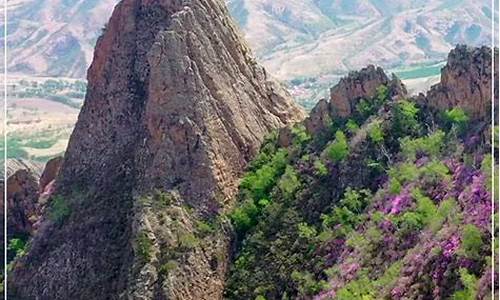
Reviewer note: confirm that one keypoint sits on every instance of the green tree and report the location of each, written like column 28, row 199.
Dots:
column 339, row 149
column 472, row 242
column 405, row 119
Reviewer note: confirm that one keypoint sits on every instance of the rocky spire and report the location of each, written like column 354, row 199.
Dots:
column 465, row 82
column 176, row 107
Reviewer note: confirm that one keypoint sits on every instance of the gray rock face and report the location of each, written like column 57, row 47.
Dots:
column 176, row 108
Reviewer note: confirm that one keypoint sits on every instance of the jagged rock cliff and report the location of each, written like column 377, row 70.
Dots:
column 176, row 108
column 466, row 82
column 349, row 92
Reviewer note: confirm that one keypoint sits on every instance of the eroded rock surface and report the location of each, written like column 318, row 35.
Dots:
column 465, row 82
column 345, row 96
column 176, row 108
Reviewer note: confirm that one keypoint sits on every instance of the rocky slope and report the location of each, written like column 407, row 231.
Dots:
column 176, row 107
column 377, row 196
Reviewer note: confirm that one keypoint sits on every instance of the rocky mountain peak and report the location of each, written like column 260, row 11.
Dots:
column 465, row 82
column 176, row 108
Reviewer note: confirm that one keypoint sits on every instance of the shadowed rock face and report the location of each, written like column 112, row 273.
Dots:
column 465, row 82
column 49, row 174
column 22, row 203
column 177, row 106
column 27, row 198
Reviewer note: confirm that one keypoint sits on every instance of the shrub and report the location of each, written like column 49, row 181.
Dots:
column 204, row 229
column 162, row 199
column 257, row 185
column 348, row 211
column 430, row 145
column 260, row 181
column 188, row 241
column 365, row 288
column 301, row 137
column 18, row 246
column 447, row 210
column 486, row 168
column 425, row 207
column 360, row 289
column 470, row 286
column 339, row 149
column 245, row 216
column 472, row 242
column 382, row 94
column 289, row 182
column 357, row 241
column 435, row 171
column 409, row 222
column 390, row 276
column 404, row 173
column 168, row 267
column 320, row 168
column 376, row 134
column 456, row 118
column 144, row 246
column 352, row 126
column 394, row 186
column 305, row 231
column 374, row 235
column 405, row 119
column 307, row 285
column 356, row 201
column 364, row 108
column 59, row 209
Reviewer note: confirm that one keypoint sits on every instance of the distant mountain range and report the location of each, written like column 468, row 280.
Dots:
column 295, row 38
column 292, row 38
column 54, row 38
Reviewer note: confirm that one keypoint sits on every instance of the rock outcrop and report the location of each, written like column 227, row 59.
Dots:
column 347, row 94
column 27, row 195
column 22, row 203
column 176, row 107
column 49, row 174
column 465, row 82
